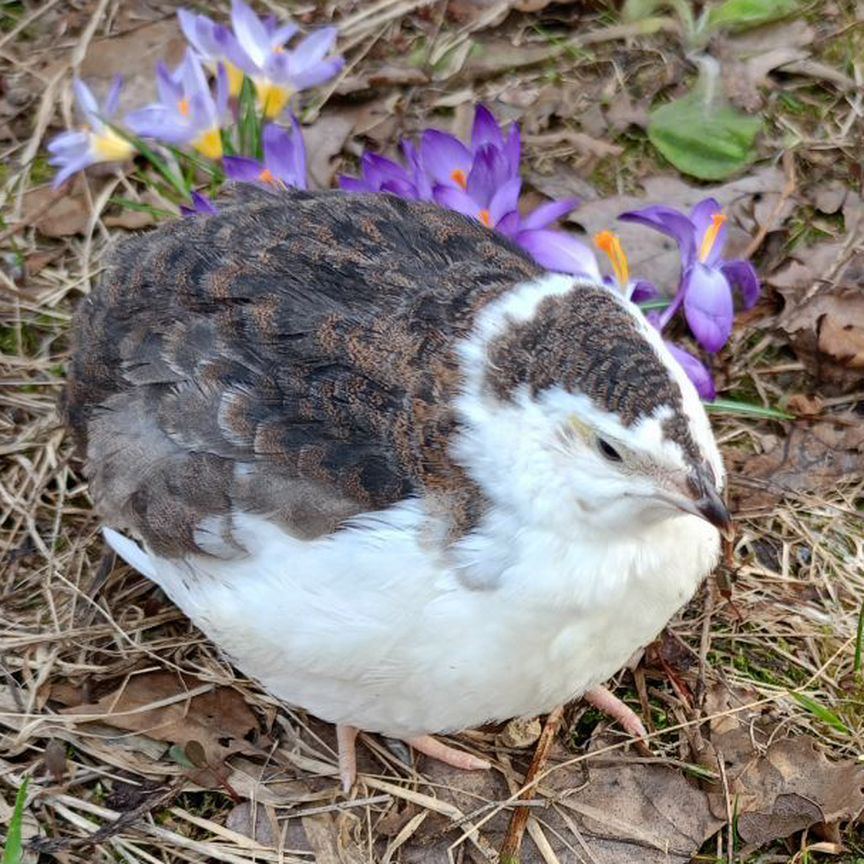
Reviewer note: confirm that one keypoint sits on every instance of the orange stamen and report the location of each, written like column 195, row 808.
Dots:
column 266, row 176
column 183, row 107
column 485, row 217
column 610, row 243
column 710, row 238
column 459, row 178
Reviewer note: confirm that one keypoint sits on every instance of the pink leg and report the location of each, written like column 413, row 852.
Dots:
column 448, row 755
column 345, row 738
column 611, row 705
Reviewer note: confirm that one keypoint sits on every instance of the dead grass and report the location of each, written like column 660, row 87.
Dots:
column 786, row 631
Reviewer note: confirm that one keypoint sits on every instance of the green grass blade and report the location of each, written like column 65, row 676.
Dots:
column 139, row 207
column 820, row 712
column 13, row 851
column 745, row 409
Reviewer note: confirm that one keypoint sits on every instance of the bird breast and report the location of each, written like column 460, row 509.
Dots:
column 374, row 628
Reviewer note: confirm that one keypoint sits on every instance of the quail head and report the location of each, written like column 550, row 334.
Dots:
column 400, row 474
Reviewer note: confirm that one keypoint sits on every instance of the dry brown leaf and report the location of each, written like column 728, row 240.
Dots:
column 747, row 58
column 251, row 820
column 826, row 326
column 811, row 458
column 324, row 140
column 781, row 786
column 53, row 215
column 623, row 813
column 219, row 720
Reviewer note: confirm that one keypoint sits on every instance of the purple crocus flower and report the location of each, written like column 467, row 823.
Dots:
column 258, row 49
column 74, row 150
column 214, row 43
column 284, row 159
column 706, row 280
column 448, row 162
column 379, row 174
column 201, row 206
column 491, row 190
column 186, row 112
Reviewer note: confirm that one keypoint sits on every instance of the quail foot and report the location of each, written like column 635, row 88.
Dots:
column 396, row 471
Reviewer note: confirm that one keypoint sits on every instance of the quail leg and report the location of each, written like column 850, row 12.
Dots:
column 612, row 706
column 345, row 739
column 446, row 754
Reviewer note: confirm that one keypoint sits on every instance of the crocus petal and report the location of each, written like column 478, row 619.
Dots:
column 513, row 149
column 86, row 101
column 318, row 74
column 549, row 212
column 489, row 173
column 742, row 275
column 170, row 91
column 284, row 154
column 282, row 34
column 701, row 214
column 313, row 48
column 158, row 121
column 422, row 183
column 250, row 32
column 112, row 100
column 695, row 371
column 355, row 184
column 641, row 291
column 508, row 224
column 485, row 130
column 242, row 169
column 670, row 222
column 456, row 199
column 68, row 142
column 73, row 166
column 559, row 252
column 505, row 200
column 708, row 306
column 443, row 155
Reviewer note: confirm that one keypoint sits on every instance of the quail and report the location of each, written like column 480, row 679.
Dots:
column 397, row 472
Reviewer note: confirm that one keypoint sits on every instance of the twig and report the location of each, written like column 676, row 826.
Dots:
column 519, row 820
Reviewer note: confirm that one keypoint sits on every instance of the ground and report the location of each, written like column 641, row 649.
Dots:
column 143, row 744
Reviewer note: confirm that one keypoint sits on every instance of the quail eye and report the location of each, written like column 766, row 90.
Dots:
column 608, row 451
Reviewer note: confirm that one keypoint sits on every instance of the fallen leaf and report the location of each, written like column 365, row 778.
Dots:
column 747, row 59
column 780, row 787
column 825, row 326
column 324, row 140
column 54, row 759
column 219, row 720
column 618, row 811
column 812, row 458
column 251, row 820
column 56, row 215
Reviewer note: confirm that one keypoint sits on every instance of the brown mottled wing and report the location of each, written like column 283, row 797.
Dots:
column 291, row 355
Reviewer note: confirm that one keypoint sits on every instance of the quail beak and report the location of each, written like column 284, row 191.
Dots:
column 707, row 503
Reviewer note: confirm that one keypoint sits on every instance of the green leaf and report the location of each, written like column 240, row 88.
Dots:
column 707, row 141
column 743, row 14
column 13, row 852
column 745, row 409
column 249, row 125
column 820, row 712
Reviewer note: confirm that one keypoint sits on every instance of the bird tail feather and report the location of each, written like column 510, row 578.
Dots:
column 130, row 552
